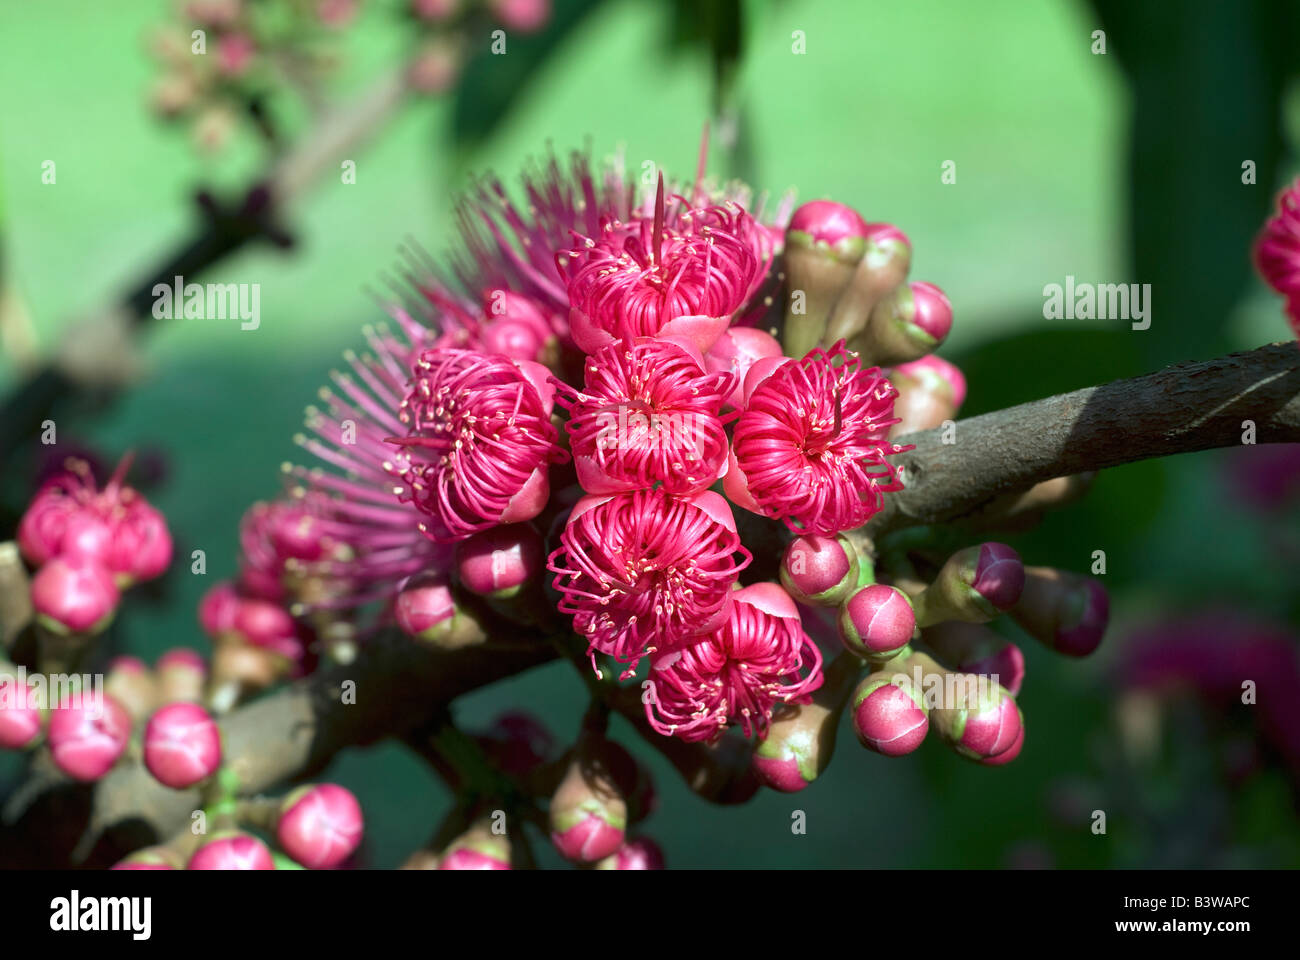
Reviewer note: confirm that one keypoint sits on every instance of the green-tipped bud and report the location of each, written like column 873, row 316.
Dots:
column 909, row 323
column 823, row 245
column 821, row 571
column 974, row 585
column 883, row 268
column 1065, row 611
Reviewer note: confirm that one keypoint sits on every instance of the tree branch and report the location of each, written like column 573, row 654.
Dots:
column 400, row 684
column 1181, row 409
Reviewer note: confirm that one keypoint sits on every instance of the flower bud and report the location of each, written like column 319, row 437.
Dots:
column 85, row 740
column 801, row 738
column 320, row 826
column 75, row 596
column 149, row 858
column 738, row 349
column 888, row 714
column 435, row 11
column 217, row 610
column 526, row 16
column 434, row 70
column 930, row 391
column 641, row 853
column 975, row 648
column 233, row 850
column 820, row 571
column 182, row 674
column 978, row 719
column 909, row 323
column 876, row 622
column 975, row 585
column 20, row 714
column 182, row 745
column 132, row 684
column 498, row 562
column 883, row 268
column 517, row 742
column 1010, row 753
column 589, row 809
column 426, row 609
column 478, row 848
column 1064, row 610
column 823, row 245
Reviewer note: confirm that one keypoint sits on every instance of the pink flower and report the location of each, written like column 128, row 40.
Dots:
column 234, row 53
column 278, row 535
column 116, row 527
column 320, row 826
column 642, row 572
column 1277, row 252
column 479, row 444
column 526, row 16
column 810, row 447
column 375, row 541
column 649, row 278
column 85, row 740
column 760, row 657
column 232, row 851
column 647, row 413
column 182, row 745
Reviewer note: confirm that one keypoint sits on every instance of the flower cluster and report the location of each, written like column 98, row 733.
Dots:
column 88, row 545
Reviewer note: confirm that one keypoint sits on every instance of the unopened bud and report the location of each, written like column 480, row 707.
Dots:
column 821, row 571
column 1066, row 611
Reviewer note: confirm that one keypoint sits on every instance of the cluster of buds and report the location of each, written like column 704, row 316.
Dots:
column 87, row 545
column 317, row 827
column 222, row 60
column 152, row 713
column 595, row 792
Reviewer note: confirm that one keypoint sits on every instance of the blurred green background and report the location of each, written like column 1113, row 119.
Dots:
column 1122, row 167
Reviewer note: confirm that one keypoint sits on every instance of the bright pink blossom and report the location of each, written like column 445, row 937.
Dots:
column 647, row 413
column 643, row 572
column 648, row 278
column 760, row 657
column 1277, row 251
column 115, row 527
column 479, row 442
column 810, row 447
